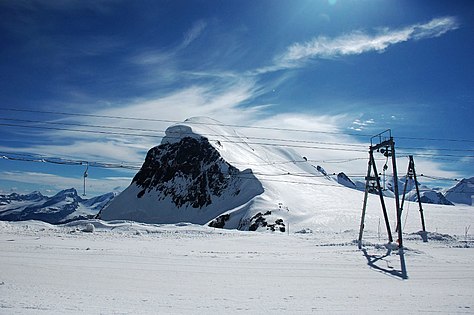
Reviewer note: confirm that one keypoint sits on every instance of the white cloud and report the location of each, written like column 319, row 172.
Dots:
column 193, row 33
column 167, row 57
column 359, row 125
column 435, row 27
column 222, row 101
column 359, row 42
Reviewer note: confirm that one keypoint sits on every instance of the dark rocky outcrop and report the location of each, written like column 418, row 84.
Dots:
column 190, row 172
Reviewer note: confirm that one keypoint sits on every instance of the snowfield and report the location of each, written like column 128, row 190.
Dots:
column 123, row 267
column 311, row 265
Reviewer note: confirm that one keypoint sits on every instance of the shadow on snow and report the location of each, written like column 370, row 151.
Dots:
column 376, row 262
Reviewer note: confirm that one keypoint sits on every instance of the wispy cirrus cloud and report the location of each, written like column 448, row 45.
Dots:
column 164, row 56
column 163, row 65
column 358, row 42
column 127, row 140
column 193, row 33
column 434, row 28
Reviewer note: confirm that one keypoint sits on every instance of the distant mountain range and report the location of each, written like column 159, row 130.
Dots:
column 462, row 193
column 63, row 207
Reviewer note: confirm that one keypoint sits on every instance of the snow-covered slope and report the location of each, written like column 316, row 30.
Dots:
column 65, row 206
column 131, row 268
column 205, row 172
column 463, row 192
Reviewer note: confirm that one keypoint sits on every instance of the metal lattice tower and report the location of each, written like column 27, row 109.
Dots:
column 411, row 174
column 384, row 144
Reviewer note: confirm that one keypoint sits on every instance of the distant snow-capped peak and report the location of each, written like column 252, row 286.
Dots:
column 64, row 206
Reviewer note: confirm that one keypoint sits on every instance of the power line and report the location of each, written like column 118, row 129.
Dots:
column 222, row 124
column 241, row 175
column 78, row 125
column 112, row 165
column 235, row 142
column 435, row 139
column 176, row 121
column 437, row 149
column 215, row 135
column 81, row 130
column 25, row 157
column 57, row 160
column 334, row 161
column 163, row 131
column 238, row 142
column 438, row 178
column 439, row 155
column 155, row 136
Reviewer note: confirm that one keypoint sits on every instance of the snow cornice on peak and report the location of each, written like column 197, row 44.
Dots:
column 195, row 127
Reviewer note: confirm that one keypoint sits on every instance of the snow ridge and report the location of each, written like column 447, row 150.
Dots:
column 65, row 206
column 463, row 192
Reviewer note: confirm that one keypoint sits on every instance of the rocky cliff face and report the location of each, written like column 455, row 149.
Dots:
column 190, row 172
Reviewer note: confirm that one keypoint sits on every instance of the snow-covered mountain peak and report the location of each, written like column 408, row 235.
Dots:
column 190, row 176
column 463, row 192
column 64, row 206
column 205, row 171
column 224, row 139
column 196, row 127
column 69, row 192
column 176, row 133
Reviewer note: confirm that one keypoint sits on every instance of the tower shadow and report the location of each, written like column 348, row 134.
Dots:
column 376, row 262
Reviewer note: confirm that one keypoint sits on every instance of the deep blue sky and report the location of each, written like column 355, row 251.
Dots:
column 351, row 67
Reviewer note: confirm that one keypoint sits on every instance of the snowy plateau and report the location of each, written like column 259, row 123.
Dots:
column 215, row 224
